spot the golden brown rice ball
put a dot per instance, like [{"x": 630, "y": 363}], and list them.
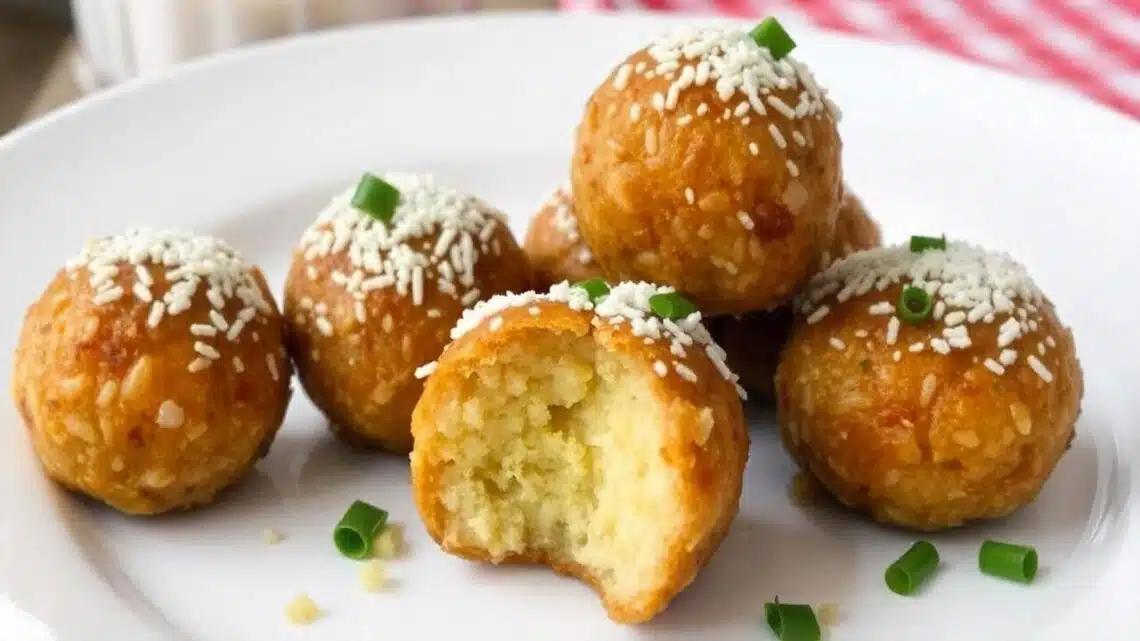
[
  {"x": 367, "y": 302},
  {"x": 598, "y": 440},
  {"x": 753, "y": 341},
  {"x": 555, "y": 248},
  {"x": 704, "y": 164},
  {"x": 928, "y": 423},
  {"x": 151, "y": 373}
]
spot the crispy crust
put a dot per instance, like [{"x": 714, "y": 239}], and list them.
[
  {"x": 89, "y": 380},
  {"x": 973, "y": 445},
  {"x": 553, "y": 255},
  {"x": 754, "y": 340},
  {"x": 635, "y": 215},
  {"x": 710, "y": 469},
  {"x": 362, "y": 375}
]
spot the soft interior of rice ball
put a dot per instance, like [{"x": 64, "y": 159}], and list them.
[{"x": 554, "y": 454}]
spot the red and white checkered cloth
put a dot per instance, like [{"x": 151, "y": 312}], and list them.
[{"x": 1092, "y": 45}]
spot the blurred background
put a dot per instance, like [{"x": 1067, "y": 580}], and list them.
[{"x": 53, "y": 52}]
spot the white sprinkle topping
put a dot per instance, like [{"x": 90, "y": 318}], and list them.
[
  {"x": 272, "y": 365},
  {"x": 745, "y": 220},
  {"x": 218, "y": 320},
  {"x": 754, "y": 149},
  {"x": 207, "y": 350},
  {"x": 916, "y": 347},
  {"x": 929, "y": 384},
  {"x": 198, "y": 329},
  {"x": 896, "y": 356},
  {"x": 392, "y": 254},
  {"x": 690, "y": 197},
  {"x": 626, "y": 303},
  {"x": 799, "y": 138},
  {"x": 1007, "y": 357},
  {"x": 470, "y": 297},
  {"x": 170, "y": 415},
  {"x": 1039, "y": 367},
  {"x": 994, "y": 366},
  {"x": 361, "y": 312},
  {"x": 198, "y": 364},
  {"x": 324, "y": 326},
  {"x": 425, "y": 371},
  {"x": 660, "y": 368},
  {"x": 157, "y": 310},
  {"x": 108, "y": 296},
  {"x": 793, "y": 170},
  {"x": 634, "y": 111},
  {"x": 235, "y": 330},
  {"x": 861, "y": 333},
  {"x": 684, "y": 372},
  {"x": 777, "y": 136},
  {"x": 893, "y": 330},
  {"x": 882, "y": 308},
  {"x": 954, "y": 318},
  {"x": 1050, "y": 341},
  {"x": 495, "y": 324},
  {"x": 621, "y": 78},
  {"x": 239, "y": 366},
  {"x": 837, "y": 344},
  {"x": 940, "y": 345},
  {"x": 818, "y": 315}
]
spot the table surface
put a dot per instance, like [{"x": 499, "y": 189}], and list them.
[{"x": 35, "y": 64}]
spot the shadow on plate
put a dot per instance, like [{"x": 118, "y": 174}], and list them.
[{"x": 757, "y": 562}]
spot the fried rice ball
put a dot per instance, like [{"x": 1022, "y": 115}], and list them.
[
  {"x": 555, "y": 248},
  {"x": 753, "y": 341},
  {"x": 151, "y": 373},
  {"x": 703, "y": 164},
  {"x": 366, "y": 302},
  {"x": 581, "y": 439},
  {"x": 952, "y": 408}
]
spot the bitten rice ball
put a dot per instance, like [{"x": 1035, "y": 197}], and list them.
[
  {"x": 753, "y": 341},
  {"x": 602, "y": 441},
  {"x": 705, "y": 164},
  {"x": 368, "y": 300},
  {"x": 928, "y": 388},
  {"x": 151, "y": 373},
  {"x": 556, "y": 249}
]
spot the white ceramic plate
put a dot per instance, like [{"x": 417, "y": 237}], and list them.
[{"x": 249, "y": 146}]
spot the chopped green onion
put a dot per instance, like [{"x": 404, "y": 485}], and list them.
[
  {"x": 919, "y": 244},
  {"x": 672, "y": 305},
  {"x": 770, "y": 34},
  {"x": 915, "y": 305},
  {"x": 357, "y": 529},
  {"x": 596, "y": 288},
  {"x": 376, "y": 198},
  {"x": 1008, "y": 561},
  {"x": 912, "y": 569},
  {"x": 792, "y": 622}
]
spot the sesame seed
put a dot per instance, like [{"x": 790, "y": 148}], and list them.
[
  {"x": 818, "y": 315},
  {"x": 660, "y": 368},
  {"x": 207, "y": 350},
  {"x": 684, "y": 372},
  {"x": 197, "y": 365},
  {"x": 256, "y": 337},
  {"x": 1041, "y": 348},
  {"x": 324, "y": 326},
  {"x": 897, "y": 356},
  {"x": 1050, "y": 342},
  {"x": 893, "y": 330},
  {"x": 387, "y": 323},
  {"x": 861, "y": 333},
  {"x": 634, "y": 111},
  {"x": 929, "y": 384},
  {"x": 1039, "y": 367},
  {"x": 745, "y": 220},
  {"x": 198, "y": 329},
  {"x": 621, "y": 78},
  {"x": 235, "y": 330},
  {"x": 690, "y": 197},
  {"x": 994, "y": 366},
  {"x": 218, "y": 320},
  {"x": 837, "y": 344},
  {"x": 157, "y": 310},
  {"x": 651, "y": 141},
  {"x": 108, "y": 296},
  {"x": 427, "y": 370},
  {"x": 777, "y": 136},
  {"x": 702, "y": 109},
  {"x": 793, "y": 170},
  {"x": 799, "y": 138},
  {"x": 754, "y": 149},
  {"x": 239, "y": 366},
  {"x": 272, "y": 365}
]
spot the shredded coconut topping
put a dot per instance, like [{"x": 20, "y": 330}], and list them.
[
  {"x": 626, "y": 303},
  {"x": 396, "y": 254},
  {"x": 968, "y": 286},
  {"x": 192, "y": 266}
]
